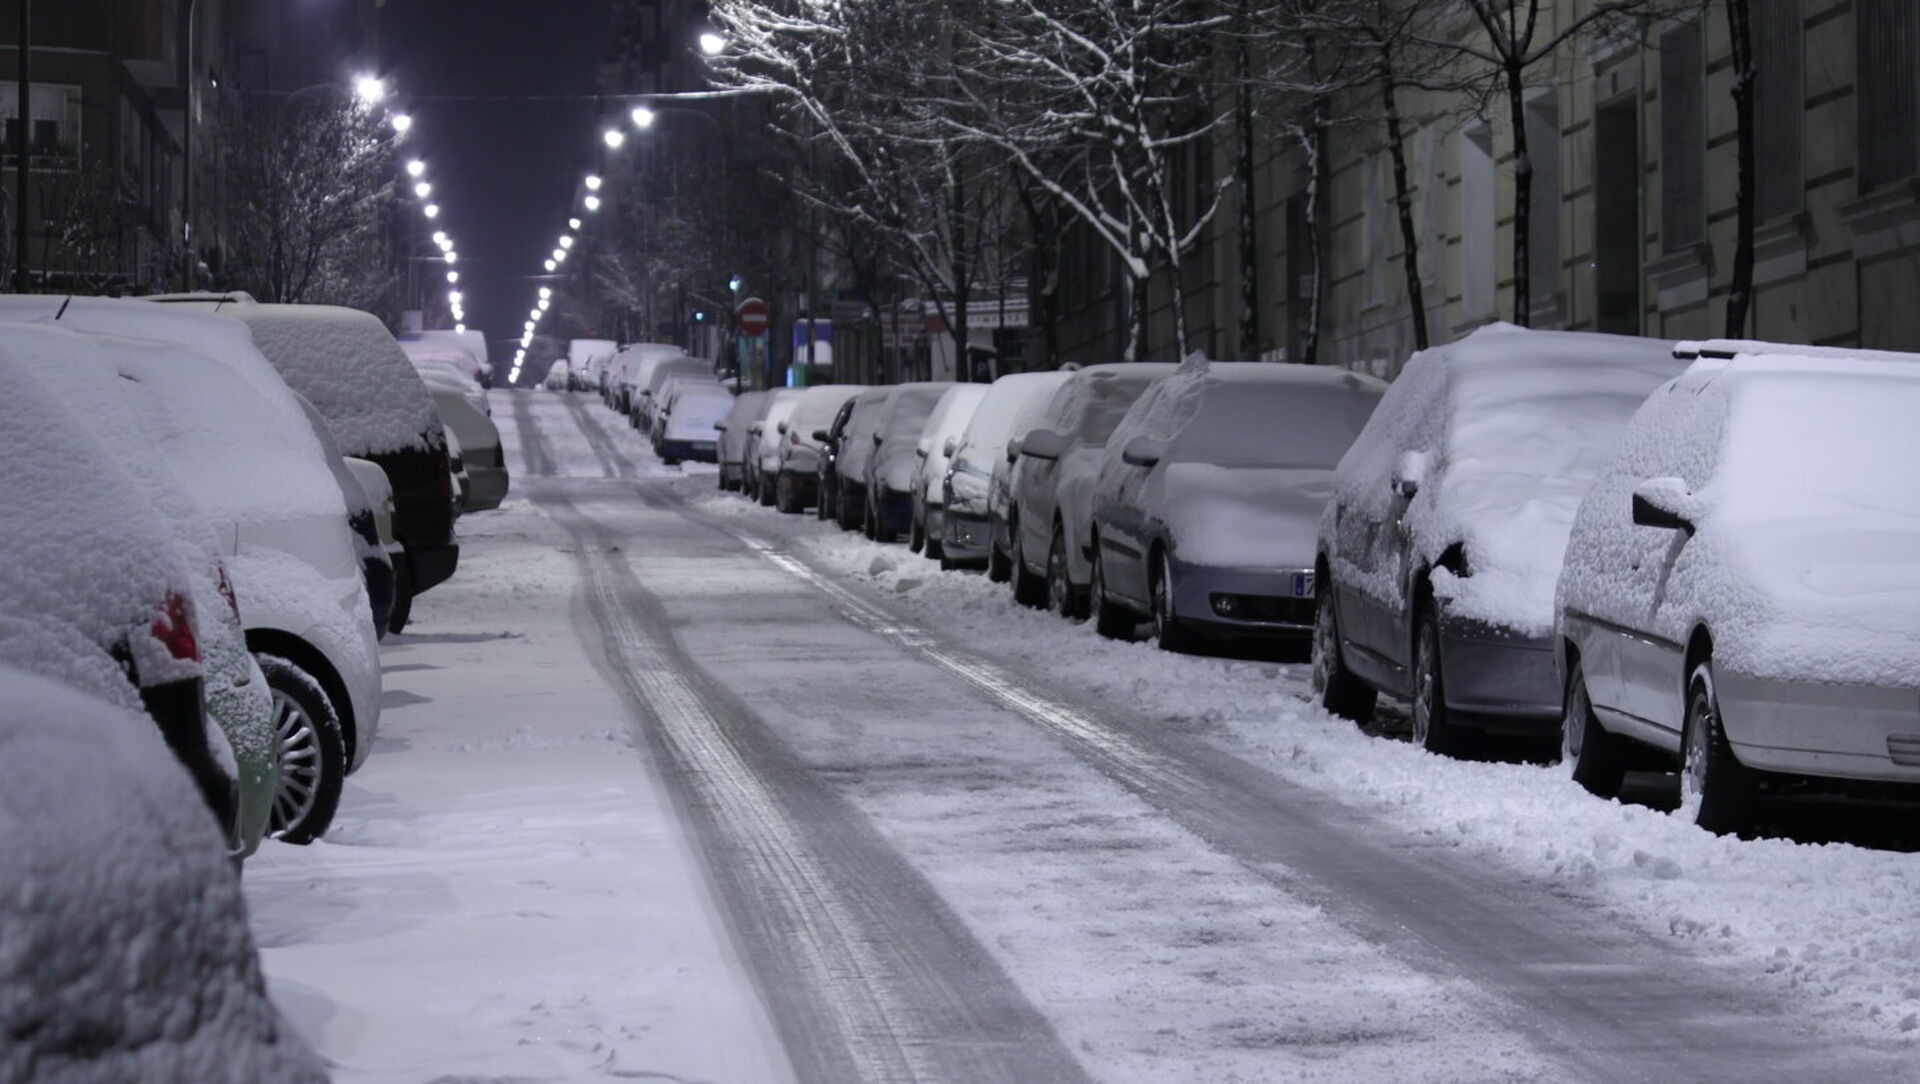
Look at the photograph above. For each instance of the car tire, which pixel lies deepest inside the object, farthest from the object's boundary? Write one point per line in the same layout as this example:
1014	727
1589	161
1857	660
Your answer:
312	753
841	516
1028	589
916	536
931	549
1593	756
824	507
1110	619
765	491
671	461
1060	594
1339	690
1433	726
1167	630
783	500
1716	791
402	611
999	566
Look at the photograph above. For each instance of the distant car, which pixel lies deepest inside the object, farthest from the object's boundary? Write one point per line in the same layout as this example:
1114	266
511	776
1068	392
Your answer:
631	367
1050	494
763	462
1741	590
1208	500
437	374
827	501
979	455
588	358
938	441
559	376
1440	548
128	946
480	450
472	341
450	363
853	450
748	407
687	418
890	468
645	396
797	481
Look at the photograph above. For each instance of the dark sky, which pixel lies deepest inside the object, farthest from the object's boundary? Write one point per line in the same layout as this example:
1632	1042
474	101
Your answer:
503	172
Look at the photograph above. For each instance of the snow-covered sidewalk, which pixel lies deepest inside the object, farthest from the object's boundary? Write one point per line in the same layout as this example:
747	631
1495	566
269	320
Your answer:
506	893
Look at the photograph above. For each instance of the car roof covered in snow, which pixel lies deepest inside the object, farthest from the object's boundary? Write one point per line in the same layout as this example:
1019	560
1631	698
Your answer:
1094	399
1249	413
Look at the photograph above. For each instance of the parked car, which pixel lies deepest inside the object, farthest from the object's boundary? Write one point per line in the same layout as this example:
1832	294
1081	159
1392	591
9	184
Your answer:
853	446
437	373
129	954
735	438
588	358
632	366
1439	551
1207	505
472	341
1741	591
357	377
559	376
763	462
1050	486
480	452
380	550
965	523
890	469
938	441
238	442
645	402
449	364
688	415
796	484
105	588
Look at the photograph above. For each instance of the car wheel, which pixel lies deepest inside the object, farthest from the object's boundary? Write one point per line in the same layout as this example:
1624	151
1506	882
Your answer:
765	491
1339	690
402	611
312	753
823	508
1167	630
1060	595
999	567
916	536
671	461
843	514
1433	727
1593	756
1110	619
783	494
1028	589
1716	790
931	547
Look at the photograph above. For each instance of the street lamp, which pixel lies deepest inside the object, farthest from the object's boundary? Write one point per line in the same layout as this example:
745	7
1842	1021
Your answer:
369	89
573	223
452	256
642	117
592	203
431	210
712	43
401	123
593	182
546	291
550	266
453	297
566	240
416	167
423	190
614	137
453	276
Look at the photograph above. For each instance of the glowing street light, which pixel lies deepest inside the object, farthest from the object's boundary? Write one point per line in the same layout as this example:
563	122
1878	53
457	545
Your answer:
461	328
566	241
401	123
440	238
542	306
453	297
712	43
573	223
614	137
453	276
642	117
546	291
593	182
559	255
452	256
423	190
431	210
592	203
369	89
416	167
550	266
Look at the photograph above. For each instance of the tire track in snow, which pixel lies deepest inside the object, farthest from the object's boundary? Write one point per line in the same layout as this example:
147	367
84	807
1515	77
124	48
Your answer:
869	975
1616	1005
535	450
612	460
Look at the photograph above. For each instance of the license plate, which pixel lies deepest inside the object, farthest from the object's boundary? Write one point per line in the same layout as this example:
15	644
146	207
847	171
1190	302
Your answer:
1303	585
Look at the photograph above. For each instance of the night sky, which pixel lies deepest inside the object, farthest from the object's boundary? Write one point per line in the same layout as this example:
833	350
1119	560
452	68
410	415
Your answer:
503	171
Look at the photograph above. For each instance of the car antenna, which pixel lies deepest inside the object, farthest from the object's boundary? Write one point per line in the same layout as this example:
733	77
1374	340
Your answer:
63	307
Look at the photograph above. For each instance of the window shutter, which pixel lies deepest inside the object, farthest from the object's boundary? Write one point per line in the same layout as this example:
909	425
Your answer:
1778	108
1683	216
1887	90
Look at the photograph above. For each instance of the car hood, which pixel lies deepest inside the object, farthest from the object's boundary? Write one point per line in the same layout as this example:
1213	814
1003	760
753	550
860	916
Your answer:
1235	517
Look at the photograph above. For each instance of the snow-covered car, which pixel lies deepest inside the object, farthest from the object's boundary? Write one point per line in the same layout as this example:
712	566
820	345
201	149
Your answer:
827	500
980	454
380	550
763	453
1440	549
559	377
938	441
646	403
796	486
448	364
889	485
631	369
1049	511
1207	506
471	340
589	358
238	442
480	452
735	436
687	418
357	377
852	450
1741	590
129	954
103	591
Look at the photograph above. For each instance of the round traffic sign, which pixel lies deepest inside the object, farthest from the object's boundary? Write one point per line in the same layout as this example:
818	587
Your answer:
753	316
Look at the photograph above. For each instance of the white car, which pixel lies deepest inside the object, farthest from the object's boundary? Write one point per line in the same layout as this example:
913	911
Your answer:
559	377
763	447
480	451
979	456
736	438
1741	589
631	368
651	379
796	486
688	416
938	441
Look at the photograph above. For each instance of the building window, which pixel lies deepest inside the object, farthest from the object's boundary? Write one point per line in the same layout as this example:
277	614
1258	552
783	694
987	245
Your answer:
1616	217
1887	90
53	122
1683	146
1477	213
1543	217
1779	108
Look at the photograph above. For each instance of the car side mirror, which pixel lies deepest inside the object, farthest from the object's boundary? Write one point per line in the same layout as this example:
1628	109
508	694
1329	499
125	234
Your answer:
756	428
821	435
876	440
1409	472
782	428
1665	503
722	426
921	451
1044	444
1142	451
1013	449
951	446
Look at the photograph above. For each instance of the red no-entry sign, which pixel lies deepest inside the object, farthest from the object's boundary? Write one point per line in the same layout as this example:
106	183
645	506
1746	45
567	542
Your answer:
753	316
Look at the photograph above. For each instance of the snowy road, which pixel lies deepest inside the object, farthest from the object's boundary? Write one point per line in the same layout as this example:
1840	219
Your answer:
944	841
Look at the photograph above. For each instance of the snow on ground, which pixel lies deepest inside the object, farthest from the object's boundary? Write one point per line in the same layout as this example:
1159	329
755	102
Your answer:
1829	923
505	893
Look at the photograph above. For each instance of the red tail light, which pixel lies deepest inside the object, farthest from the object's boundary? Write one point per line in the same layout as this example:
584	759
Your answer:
173	627
794	436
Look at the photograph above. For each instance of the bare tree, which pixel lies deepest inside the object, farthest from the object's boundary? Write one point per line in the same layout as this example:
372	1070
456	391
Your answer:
1740	291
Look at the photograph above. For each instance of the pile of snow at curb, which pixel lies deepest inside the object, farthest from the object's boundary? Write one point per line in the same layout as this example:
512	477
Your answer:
1510	426
125	952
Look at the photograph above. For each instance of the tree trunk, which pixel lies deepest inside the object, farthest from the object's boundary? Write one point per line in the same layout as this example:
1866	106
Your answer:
1243	191
1316	143
962	273
1522	200
1740	292
1136	344
1409	240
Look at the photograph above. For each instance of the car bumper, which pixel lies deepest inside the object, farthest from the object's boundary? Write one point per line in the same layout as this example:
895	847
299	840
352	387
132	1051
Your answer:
964	537
432	565
1258	603
803	485
1824	729
896	509
699	451
489	488
1498	678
